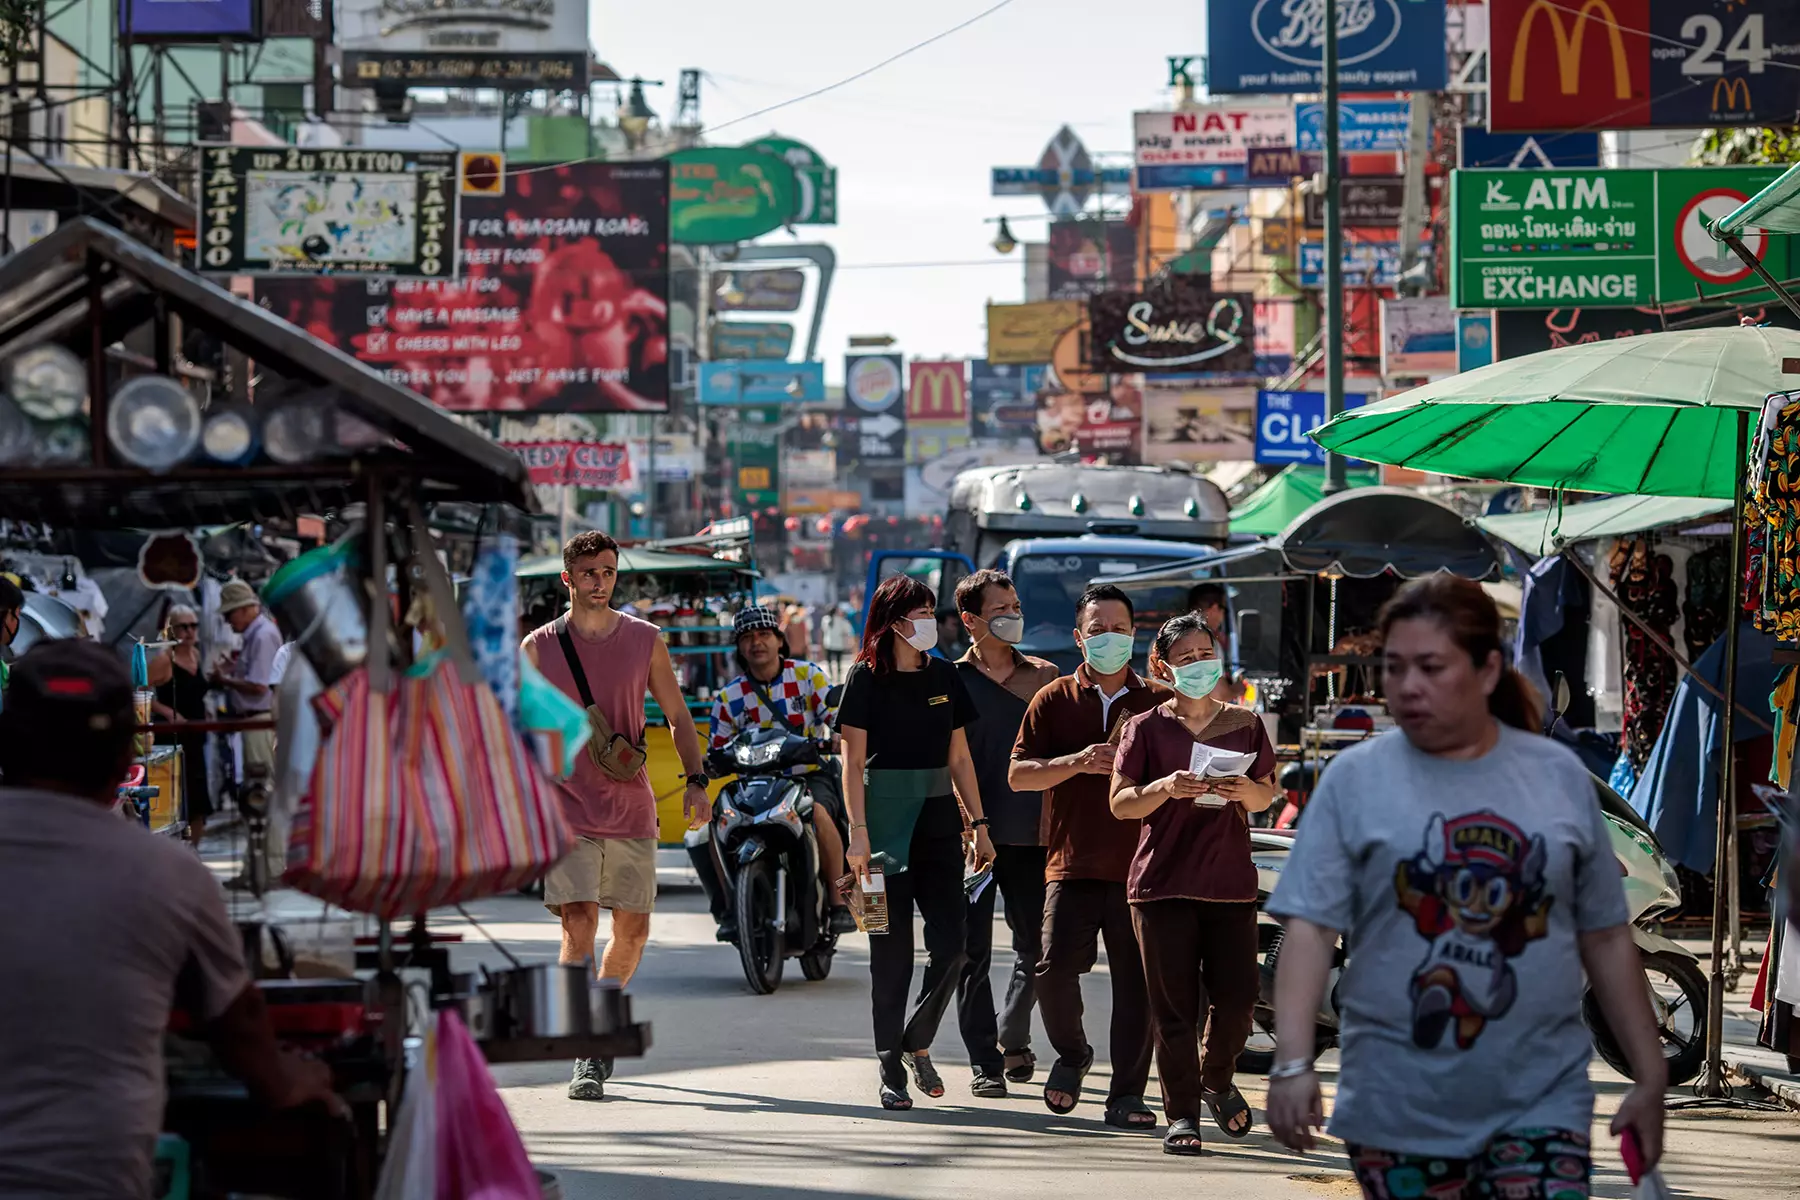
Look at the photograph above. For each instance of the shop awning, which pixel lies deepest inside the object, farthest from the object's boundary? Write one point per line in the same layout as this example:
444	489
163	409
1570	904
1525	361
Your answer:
1776	208
1546	530
1272	507
637	561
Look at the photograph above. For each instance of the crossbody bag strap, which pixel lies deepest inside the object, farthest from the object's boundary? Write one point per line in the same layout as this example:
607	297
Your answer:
575	667
780	710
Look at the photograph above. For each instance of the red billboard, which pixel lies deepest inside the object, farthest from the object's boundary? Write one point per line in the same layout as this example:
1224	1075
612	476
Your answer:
562	303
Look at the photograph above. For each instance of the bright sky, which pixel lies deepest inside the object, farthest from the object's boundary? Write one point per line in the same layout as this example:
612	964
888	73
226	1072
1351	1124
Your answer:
913	143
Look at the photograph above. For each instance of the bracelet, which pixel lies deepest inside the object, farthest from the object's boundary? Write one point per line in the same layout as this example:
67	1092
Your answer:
978	822
1293	1068
859	825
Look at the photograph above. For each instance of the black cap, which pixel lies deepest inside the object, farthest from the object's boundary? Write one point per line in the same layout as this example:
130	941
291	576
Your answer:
751	619
67	684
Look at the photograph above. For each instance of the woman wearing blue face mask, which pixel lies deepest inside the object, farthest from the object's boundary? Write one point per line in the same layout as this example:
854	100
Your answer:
1193	768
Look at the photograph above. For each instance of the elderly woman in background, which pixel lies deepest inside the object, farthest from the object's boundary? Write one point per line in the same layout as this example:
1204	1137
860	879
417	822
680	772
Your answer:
181	688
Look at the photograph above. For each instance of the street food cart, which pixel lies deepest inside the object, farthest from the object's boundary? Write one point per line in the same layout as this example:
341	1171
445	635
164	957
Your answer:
324	437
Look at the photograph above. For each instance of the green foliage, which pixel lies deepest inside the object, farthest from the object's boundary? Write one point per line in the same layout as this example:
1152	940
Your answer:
1759	145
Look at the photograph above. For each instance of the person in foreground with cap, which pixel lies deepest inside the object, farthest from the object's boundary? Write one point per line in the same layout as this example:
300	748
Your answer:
109	928
776	691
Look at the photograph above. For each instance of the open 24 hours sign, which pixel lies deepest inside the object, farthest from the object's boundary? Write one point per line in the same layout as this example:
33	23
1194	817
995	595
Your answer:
1601	239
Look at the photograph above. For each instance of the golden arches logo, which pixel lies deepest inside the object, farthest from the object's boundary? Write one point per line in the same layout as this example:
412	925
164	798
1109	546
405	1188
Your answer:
1568	47
1737	94
937	392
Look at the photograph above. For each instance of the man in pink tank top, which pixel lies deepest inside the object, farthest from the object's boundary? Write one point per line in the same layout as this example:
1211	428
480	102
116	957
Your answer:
597	655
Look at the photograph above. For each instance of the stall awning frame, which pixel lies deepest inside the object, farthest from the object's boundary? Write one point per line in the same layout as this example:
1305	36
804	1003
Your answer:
1545	531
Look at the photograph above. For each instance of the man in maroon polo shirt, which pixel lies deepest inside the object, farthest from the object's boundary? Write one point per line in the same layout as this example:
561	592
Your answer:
1065	750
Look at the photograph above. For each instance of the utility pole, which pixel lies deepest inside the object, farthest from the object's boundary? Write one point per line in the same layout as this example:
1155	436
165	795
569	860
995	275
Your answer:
1334	252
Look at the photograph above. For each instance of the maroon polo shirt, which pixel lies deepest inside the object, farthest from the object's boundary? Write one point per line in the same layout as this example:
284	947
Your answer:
1186	851
1082	837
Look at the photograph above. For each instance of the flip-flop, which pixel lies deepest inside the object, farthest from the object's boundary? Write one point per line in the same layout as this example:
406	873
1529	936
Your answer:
1021	1067
1119	1114
1183	1139
924	1074
1064	1078
1227	1106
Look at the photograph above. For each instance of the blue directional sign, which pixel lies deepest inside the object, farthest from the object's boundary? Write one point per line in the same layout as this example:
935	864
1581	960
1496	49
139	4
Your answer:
1528	151
1366	264
1279	46
1285	421
1364	126
762	381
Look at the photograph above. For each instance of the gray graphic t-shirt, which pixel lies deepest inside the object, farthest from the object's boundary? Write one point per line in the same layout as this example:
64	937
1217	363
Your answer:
1461	887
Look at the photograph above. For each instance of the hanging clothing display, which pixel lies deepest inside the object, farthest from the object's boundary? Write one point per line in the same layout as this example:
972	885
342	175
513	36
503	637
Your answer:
1644	580
1775	483
1787	723
1707	597
1605	672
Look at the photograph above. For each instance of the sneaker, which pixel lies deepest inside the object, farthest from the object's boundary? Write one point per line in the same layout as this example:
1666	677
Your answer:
842	920
588	1083
988	1085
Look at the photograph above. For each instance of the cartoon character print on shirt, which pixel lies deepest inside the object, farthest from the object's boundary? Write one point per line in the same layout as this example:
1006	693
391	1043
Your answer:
1476	893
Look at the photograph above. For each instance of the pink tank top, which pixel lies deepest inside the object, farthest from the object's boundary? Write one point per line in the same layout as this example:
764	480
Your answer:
618	675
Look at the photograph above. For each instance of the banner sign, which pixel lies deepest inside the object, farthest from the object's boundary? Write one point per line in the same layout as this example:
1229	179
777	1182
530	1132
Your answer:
761	381
601	466
1366	263
937	391
720	194
1279	46
562	304
286	210
1619	239
1189	425
777	289
1476	147
1518	332
1078	268
1418	336
1475	338
752	339
471	43
1369	203
1094	424
874	385
1364	126
1635	64
1277	166
815	194
1002	400
754	450
1205	146
1026	333
191	20
1177	324
1284	424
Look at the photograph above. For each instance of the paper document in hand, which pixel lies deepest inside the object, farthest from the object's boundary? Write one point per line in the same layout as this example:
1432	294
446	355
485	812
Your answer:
1215	763
976	882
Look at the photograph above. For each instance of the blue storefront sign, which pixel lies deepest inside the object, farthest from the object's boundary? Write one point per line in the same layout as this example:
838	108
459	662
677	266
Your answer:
1285	421
1279	46
761	381
1474	339
1002	398
1364	126
1527	151
1366	264
190	20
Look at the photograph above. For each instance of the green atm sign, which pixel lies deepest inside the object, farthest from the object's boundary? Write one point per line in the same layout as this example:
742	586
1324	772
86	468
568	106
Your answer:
1599	239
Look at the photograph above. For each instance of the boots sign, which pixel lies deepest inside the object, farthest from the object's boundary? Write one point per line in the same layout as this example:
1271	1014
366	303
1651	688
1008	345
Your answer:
1177	325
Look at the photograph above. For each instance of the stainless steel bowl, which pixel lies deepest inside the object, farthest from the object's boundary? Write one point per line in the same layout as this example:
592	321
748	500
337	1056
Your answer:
548	1000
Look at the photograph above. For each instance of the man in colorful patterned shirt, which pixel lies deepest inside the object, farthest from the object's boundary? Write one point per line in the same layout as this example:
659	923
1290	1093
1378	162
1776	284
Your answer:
778	692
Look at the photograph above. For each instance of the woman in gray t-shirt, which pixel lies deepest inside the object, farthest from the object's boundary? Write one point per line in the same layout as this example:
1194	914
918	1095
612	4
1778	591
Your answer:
1467	862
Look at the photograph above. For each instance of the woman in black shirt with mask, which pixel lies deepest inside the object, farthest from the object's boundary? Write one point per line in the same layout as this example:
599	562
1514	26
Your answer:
906	764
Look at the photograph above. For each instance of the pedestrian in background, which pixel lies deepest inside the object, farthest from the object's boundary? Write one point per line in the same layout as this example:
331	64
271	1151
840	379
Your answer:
248	680
839	637
1001	682
1065	748
797	628
1467	860
179	678
1193	884
906	765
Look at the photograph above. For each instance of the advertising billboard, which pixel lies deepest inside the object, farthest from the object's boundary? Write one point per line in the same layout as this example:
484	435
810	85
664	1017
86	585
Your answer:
1368	262
1002	399
1284	425
1634	64
562	304
1279	46
1518	332
1177	324
1376	203
720	194
1021	334
762	382
287	210
600	466
1206	146
1106	424
1619	239
874	385
1079	267
1364	126
1418	336
502	44
1191	425
191	20
938	391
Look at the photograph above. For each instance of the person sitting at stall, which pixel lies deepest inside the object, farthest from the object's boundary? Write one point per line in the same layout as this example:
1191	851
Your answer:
776	691
111	927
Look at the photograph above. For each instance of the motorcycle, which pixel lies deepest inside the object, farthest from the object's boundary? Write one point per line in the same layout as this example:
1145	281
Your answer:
765	852
1677	985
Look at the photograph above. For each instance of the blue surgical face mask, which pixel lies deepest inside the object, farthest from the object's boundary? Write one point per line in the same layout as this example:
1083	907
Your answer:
1198	679
1107	652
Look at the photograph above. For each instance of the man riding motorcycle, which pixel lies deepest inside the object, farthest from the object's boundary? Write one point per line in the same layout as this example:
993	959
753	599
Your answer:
778	692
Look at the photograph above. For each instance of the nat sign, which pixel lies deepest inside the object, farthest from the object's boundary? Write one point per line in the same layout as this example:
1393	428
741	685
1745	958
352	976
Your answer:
1634	64
1176	325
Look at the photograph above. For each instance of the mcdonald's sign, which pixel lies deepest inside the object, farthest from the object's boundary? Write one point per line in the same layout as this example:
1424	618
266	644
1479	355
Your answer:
937	392
1734	91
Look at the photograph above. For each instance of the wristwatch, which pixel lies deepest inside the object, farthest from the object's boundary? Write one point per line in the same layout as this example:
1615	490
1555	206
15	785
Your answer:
698	780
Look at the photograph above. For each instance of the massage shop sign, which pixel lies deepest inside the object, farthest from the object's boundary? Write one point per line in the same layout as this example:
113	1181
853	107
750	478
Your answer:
1601	239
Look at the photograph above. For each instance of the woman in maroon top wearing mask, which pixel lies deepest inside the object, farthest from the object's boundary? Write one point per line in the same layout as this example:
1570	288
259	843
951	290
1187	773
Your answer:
1193	768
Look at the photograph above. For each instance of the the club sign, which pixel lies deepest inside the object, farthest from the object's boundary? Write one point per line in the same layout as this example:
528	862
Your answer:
1178	325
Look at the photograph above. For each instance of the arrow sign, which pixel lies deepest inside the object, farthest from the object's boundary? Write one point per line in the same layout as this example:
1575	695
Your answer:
884	425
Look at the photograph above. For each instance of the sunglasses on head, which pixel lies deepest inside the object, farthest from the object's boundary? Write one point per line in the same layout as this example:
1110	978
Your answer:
185	625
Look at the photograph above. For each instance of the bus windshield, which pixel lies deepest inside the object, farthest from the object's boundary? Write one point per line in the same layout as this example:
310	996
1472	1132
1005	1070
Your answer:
1050	584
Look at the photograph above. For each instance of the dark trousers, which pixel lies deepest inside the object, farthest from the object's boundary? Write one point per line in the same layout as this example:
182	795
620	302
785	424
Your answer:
932	883
1078	913
990	1035
1196	951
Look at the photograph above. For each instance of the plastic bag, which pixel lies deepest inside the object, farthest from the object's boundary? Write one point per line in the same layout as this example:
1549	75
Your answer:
479	1154
409	1172
1645	1185
556	725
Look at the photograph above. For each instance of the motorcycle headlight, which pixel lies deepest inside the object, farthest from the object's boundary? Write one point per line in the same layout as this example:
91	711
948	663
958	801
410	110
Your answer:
761	755
1671	893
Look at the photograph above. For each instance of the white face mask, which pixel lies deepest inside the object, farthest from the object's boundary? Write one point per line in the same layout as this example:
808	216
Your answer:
923	636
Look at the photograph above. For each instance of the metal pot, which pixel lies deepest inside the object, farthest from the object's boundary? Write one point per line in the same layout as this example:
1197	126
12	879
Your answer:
609	1008
549	1000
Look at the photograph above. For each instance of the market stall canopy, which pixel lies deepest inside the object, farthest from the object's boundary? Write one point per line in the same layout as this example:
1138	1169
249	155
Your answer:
45	295
1375	530
1775	208
639	561
1545	531
1272	507
1655	414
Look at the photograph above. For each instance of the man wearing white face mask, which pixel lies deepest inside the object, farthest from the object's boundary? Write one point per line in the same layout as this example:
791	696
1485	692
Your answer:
1001	681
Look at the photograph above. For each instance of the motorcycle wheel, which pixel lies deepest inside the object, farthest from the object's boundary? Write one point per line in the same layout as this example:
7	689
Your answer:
1678	998
816	965
759	942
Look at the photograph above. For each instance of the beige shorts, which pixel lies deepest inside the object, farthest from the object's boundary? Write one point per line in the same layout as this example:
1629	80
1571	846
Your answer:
615	873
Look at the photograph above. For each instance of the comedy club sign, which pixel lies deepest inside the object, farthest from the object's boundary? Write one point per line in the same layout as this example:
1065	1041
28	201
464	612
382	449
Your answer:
1599	239
1179	325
